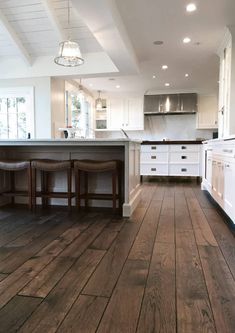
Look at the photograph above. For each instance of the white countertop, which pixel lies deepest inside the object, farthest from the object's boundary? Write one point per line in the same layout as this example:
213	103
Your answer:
67	142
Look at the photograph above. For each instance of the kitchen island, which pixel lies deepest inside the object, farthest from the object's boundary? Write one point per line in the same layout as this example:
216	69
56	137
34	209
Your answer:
126	150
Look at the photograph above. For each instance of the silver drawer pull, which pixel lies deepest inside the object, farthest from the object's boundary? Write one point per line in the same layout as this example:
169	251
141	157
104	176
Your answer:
153	169
153	147
153	157
183	169
183	157
183	147
227	165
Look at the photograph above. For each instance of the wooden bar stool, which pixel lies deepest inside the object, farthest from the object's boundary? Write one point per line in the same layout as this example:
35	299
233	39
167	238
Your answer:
13	166
91	166
46	167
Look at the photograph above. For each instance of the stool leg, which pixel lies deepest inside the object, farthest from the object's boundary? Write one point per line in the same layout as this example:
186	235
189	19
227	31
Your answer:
114	177
77	187
29	175
12	181
86	189
42	174
69	180
34	187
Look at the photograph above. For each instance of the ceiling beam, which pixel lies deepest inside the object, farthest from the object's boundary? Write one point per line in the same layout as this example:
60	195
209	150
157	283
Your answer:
15	39
54	19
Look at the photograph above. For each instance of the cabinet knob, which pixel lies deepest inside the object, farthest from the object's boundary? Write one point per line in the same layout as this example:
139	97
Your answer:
153	169
183	157
153	157
183	147
183	169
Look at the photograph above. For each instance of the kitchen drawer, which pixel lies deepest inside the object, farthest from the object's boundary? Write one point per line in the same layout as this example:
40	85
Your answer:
184	157
154	157
184	170
153	169
154	148
184	148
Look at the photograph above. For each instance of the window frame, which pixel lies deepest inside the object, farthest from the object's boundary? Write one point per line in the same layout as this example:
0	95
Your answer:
25	92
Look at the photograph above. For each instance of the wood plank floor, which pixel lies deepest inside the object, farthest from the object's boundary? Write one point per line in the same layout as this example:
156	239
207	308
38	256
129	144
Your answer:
169	268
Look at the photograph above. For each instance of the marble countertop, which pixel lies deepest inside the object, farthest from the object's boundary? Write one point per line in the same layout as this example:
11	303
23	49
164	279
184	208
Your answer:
67	142
172	142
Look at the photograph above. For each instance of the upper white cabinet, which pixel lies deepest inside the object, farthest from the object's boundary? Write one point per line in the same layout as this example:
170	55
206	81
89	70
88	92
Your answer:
126	113
207	116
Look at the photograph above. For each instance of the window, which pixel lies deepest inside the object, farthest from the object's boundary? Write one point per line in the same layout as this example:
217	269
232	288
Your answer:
16	113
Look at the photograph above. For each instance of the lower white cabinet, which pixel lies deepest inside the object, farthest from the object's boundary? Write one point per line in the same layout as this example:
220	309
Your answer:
219	174
170	160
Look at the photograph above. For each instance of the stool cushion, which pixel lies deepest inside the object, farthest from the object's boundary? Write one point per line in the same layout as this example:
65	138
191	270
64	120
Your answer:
14	165
51	165
96	166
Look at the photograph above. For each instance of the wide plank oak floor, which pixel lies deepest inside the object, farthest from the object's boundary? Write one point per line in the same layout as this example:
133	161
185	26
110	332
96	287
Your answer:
169	268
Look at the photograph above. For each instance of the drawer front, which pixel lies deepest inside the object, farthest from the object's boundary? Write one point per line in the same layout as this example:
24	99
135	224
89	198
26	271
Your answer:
185	148
154	169
184	170
154	157
186	157
154	148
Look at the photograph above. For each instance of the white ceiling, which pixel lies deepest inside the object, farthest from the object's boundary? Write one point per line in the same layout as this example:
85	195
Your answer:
125	30
30	21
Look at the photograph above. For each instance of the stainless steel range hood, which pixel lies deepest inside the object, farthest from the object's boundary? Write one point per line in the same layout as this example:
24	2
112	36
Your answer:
170	104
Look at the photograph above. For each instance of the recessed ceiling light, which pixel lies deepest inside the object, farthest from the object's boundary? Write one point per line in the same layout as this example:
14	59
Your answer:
164	67
186	75
167	84
186	40
117	86
158	42
154	76
191	7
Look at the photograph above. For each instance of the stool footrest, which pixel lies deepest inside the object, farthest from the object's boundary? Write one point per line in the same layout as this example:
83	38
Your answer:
98	196
62	195
15	193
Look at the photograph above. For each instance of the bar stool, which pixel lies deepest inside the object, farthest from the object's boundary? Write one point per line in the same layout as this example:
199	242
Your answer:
91	166
13	166
46	167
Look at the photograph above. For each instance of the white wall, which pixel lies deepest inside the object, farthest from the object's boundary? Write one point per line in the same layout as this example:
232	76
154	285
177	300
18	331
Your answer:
42	102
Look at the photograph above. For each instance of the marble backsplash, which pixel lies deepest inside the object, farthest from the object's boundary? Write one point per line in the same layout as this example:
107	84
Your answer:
173	127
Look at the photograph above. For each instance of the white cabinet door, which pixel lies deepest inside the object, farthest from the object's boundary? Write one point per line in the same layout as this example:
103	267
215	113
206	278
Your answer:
229	197
207	116
116	114
126	113
134	114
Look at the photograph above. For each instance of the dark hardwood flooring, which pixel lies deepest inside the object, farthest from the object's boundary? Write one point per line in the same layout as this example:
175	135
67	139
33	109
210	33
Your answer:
169	268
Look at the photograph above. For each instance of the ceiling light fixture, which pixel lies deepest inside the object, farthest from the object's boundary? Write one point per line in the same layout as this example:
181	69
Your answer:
90	84
69	52
154	76
186	40
118	86
98	101
191	7
167	84
186	75
164	67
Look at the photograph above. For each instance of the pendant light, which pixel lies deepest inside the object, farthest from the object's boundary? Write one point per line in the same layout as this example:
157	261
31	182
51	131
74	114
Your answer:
98	101
69	52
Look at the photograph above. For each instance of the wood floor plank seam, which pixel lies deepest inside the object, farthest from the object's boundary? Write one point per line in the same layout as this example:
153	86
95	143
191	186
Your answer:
147	277
204	278
140	224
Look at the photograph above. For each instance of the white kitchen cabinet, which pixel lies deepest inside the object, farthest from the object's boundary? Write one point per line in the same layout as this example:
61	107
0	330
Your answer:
170	160
229	182
207	116
126	113
219	174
